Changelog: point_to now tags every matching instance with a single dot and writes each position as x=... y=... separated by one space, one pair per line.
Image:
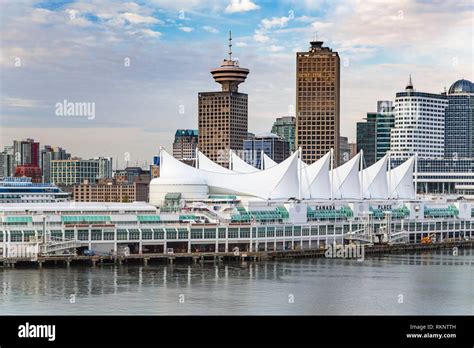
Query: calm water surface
x=427 y=283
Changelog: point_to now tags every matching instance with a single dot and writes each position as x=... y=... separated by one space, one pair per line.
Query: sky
x=142 y=64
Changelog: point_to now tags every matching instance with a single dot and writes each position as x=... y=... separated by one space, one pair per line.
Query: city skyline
x=78 y=51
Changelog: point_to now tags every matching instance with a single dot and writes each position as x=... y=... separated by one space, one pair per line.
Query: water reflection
x=432 y=283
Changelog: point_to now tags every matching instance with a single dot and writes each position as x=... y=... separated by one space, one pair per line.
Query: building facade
x=373 y=136
x=459 y=121
x=7 y=162
x=419 y=124
x=344 y=150
x=105 y=167
x=317 y=102
x=74 y=171
x=223 y=116
x=285 y=127
x=185 y=144
x=47 y=154
x=26 y=152
x=110 y=191
x=275 y=147
x=442 y=175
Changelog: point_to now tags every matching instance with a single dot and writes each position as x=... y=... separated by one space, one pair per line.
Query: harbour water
x=429 y=283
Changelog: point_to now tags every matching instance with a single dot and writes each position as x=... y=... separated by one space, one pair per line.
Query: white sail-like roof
x=374 y=180
x=315 y=181
x=267 y=161
x=205 y=163
x=345 y=179
x=239 y=165
x=401 y=180
x=279 y=182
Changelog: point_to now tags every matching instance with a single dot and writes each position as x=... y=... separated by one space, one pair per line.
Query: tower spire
x=410 y=83
x=230 y=45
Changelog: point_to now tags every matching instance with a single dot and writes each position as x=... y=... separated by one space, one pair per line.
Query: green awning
x=84 y=218
x=18 y=219
x=148 y=218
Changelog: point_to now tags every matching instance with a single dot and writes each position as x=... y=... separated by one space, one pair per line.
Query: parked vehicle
x=88 y=252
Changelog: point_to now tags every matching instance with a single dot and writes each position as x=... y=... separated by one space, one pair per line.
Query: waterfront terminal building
x=288 y=206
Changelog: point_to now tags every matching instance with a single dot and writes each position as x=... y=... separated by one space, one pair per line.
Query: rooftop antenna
x=230 y=45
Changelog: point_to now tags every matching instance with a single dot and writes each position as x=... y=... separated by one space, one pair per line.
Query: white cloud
x=145 y=33
x=241 y=6
x=321 y=25
x=275 y=22
x=19 y=102
x=260 y=37
x=210 y=29
x=241 y=44
x=275 y=48
x=186 y=29
x=139 y=19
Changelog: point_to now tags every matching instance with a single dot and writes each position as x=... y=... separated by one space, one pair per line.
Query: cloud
x=186 y=29
x=145 y=33
x=241 y=6
x=275 y=48
x=19 y=102
x=321 y=25
x=138 y=19
x=210 y=29
x=241 y=44
x=275 y=22
x=266 y=25
x=260 y=37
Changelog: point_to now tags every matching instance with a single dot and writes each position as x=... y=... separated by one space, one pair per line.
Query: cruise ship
x=208 y=208
x=22 y=190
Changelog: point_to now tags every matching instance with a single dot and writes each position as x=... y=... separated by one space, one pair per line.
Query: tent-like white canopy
x=267 y=162
x=401 y=180
x=279 y=182
x=315 y=181
x=239 y=165
x=294 y=178
x=205 y=163
x=374 y=180
x=345 y=179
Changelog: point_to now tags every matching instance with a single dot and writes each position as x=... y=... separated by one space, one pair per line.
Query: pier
x=216 y=257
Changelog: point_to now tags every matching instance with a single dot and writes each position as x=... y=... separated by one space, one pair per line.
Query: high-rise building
x=459 y=121
x=7 y=162
x=223 y=116
x=373 y=136
x=48 y=154
x=271 y=144
x=74 y=171
x=419 y=124
x=344 y=150
x=285 y=127
x=105 y=167
x=185 y=144
x=353 y=149
x=317 y=102
x=26 y=152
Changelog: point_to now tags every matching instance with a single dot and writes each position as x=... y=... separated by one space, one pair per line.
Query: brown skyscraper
x=317 y=102
x=223 y=116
